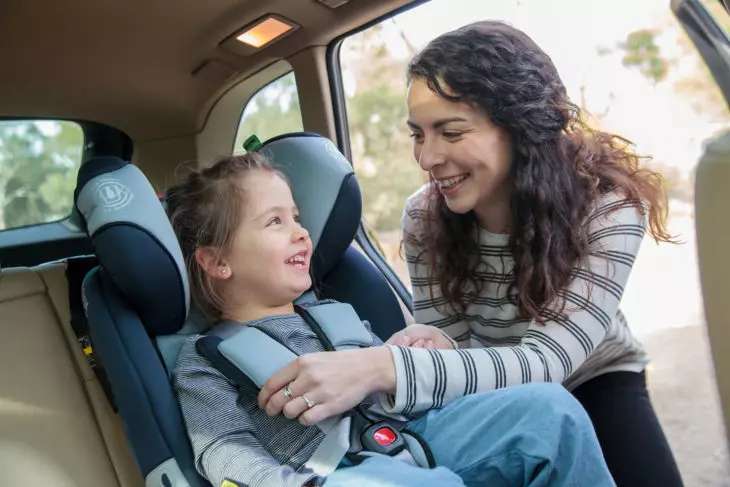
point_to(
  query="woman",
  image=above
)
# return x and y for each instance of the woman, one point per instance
(519, 249)
(522, 243)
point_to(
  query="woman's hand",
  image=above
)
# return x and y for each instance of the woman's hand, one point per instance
(420, 336)
(334, 382)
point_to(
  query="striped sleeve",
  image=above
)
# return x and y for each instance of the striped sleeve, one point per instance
(221, 432)
(546, 353)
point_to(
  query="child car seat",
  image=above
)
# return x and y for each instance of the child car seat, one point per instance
(137, 299)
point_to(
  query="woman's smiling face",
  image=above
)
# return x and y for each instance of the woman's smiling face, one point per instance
(468, 157)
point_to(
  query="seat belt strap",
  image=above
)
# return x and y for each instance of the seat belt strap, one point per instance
(255, 353)
(328, 455)
(337, 325)
(259, 356)
(249, 356)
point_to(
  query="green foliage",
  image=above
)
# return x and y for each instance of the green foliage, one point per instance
(642, 52)
(272, 111)
(698, 88)
(38, 166)
(382, 154)
(381, 149)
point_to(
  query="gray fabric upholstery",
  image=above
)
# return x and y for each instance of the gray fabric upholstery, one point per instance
(169, 345)
(341, 324)
(256, 354)
(316, 169)
(125, 196)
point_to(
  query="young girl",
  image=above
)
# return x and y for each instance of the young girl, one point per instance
(248, 259)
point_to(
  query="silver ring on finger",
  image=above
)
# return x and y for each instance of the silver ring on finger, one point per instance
(287, 391)
(310, 404)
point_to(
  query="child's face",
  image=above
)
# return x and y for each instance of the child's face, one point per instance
(270, 255)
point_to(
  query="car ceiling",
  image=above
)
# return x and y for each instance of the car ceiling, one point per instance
(136, 65)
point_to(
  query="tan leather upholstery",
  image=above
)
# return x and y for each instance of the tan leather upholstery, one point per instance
(56, 427)
(712, 200)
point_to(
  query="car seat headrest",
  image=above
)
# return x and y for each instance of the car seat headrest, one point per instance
(326, 191)
(134, 241)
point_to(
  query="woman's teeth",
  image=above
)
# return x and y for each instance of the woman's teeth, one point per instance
(451, 182)
(296, 260)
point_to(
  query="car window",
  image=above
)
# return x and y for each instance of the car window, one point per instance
(39, 161)
(272, 111)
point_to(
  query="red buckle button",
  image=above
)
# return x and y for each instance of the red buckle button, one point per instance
(384, 436)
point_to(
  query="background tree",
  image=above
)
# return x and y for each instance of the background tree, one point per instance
(641, 52)
(377, 114)
(686, 69)
(272, 111)
(687, 74)
(38, 166)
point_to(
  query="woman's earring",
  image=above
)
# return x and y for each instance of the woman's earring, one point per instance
(224, 271)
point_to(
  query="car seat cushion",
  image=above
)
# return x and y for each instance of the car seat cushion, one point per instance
(325, 190)
(134, 241)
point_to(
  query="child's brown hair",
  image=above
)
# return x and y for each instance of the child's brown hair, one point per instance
(205, 211)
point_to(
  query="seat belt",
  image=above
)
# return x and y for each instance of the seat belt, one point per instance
(76, 270)
(248, 357)
(333, 324)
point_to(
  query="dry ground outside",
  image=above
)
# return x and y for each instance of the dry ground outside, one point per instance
(685, 398)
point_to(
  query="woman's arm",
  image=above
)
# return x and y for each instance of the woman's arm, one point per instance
(432, 378)
(222, 434)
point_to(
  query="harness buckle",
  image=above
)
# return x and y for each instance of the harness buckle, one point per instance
(382, 438)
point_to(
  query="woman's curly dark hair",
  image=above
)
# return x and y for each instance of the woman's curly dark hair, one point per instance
(560, 166)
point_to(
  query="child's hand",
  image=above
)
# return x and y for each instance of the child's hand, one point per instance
(420, 336)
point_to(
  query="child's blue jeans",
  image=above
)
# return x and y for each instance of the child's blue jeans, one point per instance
(529, 435)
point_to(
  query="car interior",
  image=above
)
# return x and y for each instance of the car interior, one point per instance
(147, 87)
